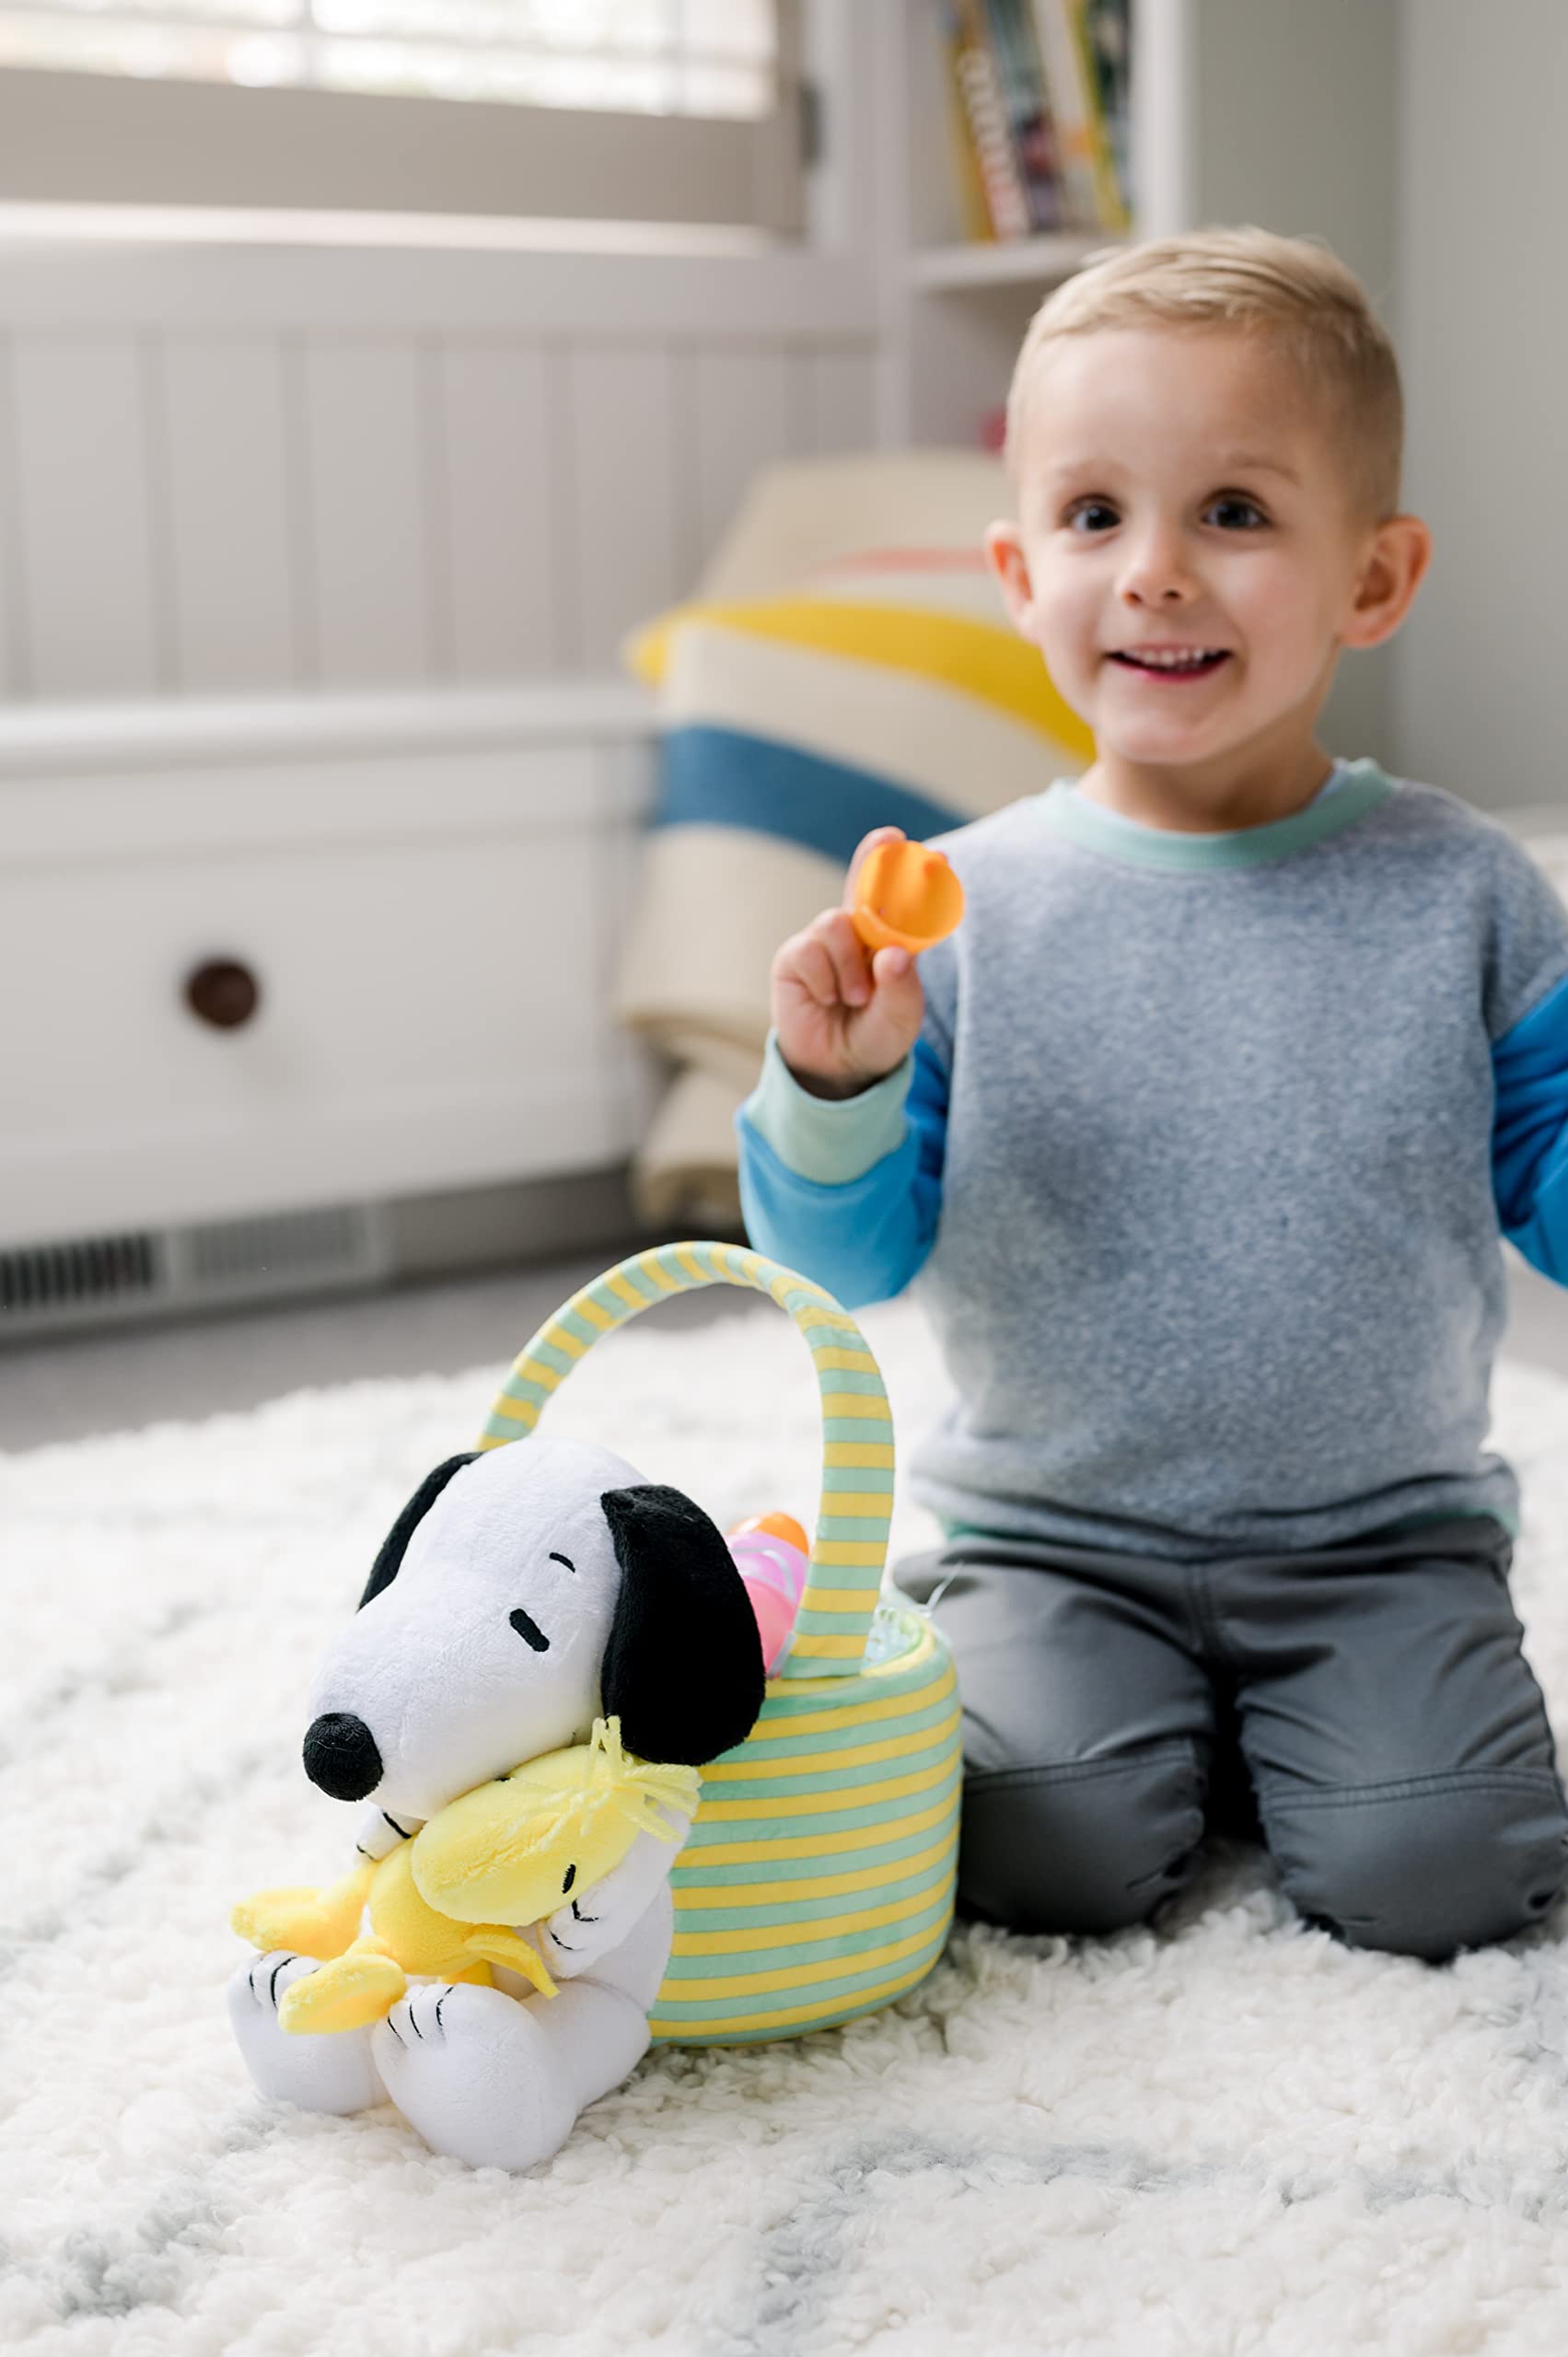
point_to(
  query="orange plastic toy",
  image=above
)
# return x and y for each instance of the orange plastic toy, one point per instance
(906, 896)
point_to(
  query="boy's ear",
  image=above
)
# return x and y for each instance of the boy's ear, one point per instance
(1004, 554)
(683, 1666)
(1391, 572)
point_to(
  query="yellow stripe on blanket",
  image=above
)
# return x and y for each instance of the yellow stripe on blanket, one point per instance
(964, 754)
(973, 657)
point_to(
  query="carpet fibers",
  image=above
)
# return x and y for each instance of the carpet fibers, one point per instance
(1224, 2135)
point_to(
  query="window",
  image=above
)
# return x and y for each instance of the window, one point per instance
(667, 110)
(698, 57)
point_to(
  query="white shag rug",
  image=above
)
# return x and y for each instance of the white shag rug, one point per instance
(1225, 2136)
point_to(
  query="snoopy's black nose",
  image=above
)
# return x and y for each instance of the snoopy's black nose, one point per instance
(340, 1756)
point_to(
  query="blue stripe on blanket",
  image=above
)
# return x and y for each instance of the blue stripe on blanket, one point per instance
(723, 777)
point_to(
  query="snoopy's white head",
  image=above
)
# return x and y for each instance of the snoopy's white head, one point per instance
(520, 1595)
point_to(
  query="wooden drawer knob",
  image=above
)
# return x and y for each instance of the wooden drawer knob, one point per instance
(223, 993)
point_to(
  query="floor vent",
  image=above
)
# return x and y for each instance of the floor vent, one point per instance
(44, 1281)
(81, 1281)
(223, 1254)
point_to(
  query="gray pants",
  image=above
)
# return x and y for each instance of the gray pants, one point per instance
(1366, 1708)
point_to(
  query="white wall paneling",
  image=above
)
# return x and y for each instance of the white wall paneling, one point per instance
(369, 494)
(232, 515)
(271, 470)
(631, 496)
(502, 564)
(86, 462)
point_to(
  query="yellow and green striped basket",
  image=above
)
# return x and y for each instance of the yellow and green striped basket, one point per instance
(818, 1879)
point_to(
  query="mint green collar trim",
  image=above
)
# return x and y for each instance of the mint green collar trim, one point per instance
(1083, 823)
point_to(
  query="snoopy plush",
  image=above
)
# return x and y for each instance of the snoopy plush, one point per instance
(520, 1596)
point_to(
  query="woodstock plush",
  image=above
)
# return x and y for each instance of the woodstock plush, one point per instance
(546, 1649)
(434, 1906)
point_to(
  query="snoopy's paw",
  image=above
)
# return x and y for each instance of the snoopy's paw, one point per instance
(331, 2072)
(477, 2074)
(573, 1940)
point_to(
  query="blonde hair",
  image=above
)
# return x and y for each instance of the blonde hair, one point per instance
(1295, 291)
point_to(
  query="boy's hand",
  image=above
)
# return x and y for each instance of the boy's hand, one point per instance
(843, 1018)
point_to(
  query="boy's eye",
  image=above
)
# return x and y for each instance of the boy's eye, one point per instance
(1232, 504)
(1091, 513)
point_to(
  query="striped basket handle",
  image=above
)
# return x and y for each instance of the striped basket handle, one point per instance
(851, 1545)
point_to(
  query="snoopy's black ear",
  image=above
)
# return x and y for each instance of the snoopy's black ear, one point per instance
(384, 1570)
(683, 1668)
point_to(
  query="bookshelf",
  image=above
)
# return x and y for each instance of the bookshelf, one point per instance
(1242, 110)
(1036, 262)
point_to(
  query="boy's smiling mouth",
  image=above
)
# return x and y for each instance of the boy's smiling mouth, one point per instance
(1171, 662)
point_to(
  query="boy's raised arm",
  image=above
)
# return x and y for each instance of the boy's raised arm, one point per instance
(842, 1141)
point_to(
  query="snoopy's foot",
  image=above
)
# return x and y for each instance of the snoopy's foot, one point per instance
(329, 2073)
(499, 2082)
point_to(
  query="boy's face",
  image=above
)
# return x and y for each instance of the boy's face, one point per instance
(1176, 490)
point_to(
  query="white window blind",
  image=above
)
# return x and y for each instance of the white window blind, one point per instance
(668, 110)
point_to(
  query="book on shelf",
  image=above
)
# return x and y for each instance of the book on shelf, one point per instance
(973, 209)
(1094, 195)
(981, 115)
(1030, 123)
(1038, 95)
(1107, 33)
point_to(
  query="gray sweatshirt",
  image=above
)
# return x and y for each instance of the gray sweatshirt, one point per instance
(1200, 1168)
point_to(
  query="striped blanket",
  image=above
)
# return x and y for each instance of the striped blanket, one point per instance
(846, 664)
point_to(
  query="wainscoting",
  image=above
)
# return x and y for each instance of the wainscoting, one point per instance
(240, 469)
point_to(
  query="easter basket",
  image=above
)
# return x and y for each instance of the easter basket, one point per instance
(816, 1880)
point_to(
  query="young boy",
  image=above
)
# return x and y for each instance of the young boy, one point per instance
(1199, 1134)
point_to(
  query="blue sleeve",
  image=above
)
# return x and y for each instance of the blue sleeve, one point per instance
(866, 1237)
(1529, 1135)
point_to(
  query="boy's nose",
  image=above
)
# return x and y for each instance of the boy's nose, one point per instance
(1156, 573)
